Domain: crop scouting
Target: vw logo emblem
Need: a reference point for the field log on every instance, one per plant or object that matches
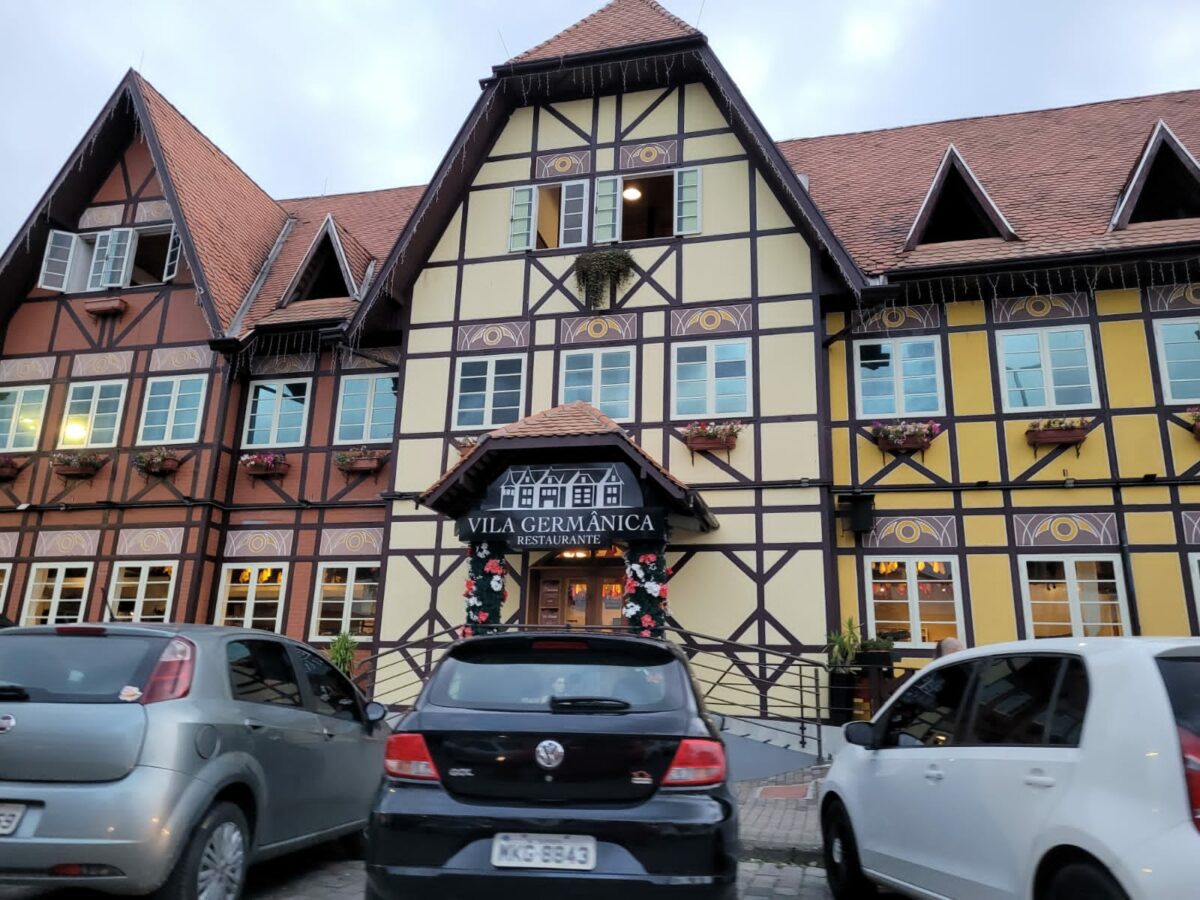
(7, 723)
(549, 754)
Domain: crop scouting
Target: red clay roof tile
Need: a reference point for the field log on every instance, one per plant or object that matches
(621, 23)
(1055, 174)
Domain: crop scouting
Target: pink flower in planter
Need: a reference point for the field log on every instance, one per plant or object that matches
(469, 586)
(483, 617)
(935, 427)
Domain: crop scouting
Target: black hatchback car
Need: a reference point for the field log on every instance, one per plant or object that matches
(555, 765)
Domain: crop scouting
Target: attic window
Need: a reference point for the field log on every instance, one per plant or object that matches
(322, 278)
(562, 215)
(102, 260)
(956, 208)
(1171, 190)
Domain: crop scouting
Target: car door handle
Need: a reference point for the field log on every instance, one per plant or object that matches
(254, 725)
(329, 735)
(1038, 778)
(933, 773)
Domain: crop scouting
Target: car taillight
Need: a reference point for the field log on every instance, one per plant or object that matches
(1190, 745)
(697, 763)
(407, 756)
(172, 675)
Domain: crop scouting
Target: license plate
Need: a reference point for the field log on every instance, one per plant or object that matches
(544, 851)
(10, 817)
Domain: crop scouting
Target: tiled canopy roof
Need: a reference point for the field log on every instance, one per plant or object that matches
(622, 23)
(1055, 174)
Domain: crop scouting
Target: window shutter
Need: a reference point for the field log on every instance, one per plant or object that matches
(171, 269)
(573, 232)
(687, 201)
(99, 262)
(56, 264)
(606, 224)
(120, 257)
(520, 225)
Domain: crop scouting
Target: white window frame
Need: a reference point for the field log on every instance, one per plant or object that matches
(176, 379)
(62, 566)
(898, 376)
(487, 423)
(110, 607)
(585, 228)
(174, 251)
(319, 583)
(1069, 561)
(71, 253)
(661, 173)
(699, 200)
(275, 423)
(531, 243)
(595, 352)
(373, 377)
(1164, 377)
(616, 238)
(709, 410)
(914, 599)
(19, 390)
(5, 581)
(1048, 385)
(223, 595)
(91, 444)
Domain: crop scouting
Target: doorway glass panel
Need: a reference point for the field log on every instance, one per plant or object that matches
(577, 602)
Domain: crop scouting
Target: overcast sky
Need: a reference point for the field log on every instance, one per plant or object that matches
(313, 96)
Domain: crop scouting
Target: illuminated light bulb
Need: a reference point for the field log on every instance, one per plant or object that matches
(75, 433)
(631, 193)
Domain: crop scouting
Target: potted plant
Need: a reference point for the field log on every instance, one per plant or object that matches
(598, 271)
(712, 435)
(156, 461)
(360, 459)
(104, 307)
(1051, 432)
(9, 467)
(904, 435)
(76, 463)
(1192, 413)
(876, 651)
(341, 653)
(843, 650)
(266, 464)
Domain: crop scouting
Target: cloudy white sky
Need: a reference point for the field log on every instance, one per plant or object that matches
(342, 95)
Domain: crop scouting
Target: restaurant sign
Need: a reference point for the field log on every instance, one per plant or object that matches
(587, 505)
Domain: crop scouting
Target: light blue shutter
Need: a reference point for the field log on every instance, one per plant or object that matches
(171, 269)
(96, 280)
(606, 224)
(573, 228)
(120, 257)
(56, 264)
(687, 201)
(520, 223)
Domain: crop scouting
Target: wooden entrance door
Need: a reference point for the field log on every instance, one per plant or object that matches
(576, 597)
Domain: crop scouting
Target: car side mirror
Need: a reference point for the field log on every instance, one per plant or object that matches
(861, 734)
(376, 712)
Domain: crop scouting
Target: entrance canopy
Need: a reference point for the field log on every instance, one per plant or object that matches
(567, 476)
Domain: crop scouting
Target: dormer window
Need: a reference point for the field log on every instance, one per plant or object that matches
(956, 208)
(1164, 185)
(102, 260)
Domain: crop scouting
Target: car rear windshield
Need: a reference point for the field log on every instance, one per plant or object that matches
(53, 668)
(1181, 674)
(524, 681)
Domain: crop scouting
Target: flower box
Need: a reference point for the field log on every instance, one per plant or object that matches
(104, 306)
(265, 470)
(701, 442)
(76, 471)
(1047, 437)
(904, 444)
(167, 466)
(363, 464)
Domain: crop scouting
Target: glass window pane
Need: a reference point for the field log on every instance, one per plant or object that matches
(1012, 700)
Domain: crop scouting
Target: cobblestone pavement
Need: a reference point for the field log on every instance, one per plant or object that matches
(779, 817)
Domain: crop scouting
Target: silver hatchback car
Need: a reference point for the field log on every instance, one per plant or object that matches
(136, 759)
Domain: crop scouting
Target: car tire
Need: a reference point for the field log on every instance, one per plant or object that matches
(1083, 881)
(218, 848)
(842, 868)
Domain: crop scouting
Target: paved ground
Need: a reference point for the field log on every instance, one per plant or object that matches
(780, 818)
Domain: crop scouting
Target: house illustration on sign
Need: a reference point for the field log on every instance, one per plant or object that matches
(553, 487)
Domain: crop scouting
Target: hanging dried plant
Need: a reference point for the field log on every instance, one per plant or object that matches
(599, 271)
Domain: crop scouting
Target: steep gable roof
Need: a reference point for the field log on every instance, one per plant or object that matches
(232, 223)
(1165, 183)
(621, 23)
(957, 207)
(1056, 173)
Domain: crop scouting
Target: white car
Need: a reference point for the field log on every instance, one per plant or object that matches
(1061, 769)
